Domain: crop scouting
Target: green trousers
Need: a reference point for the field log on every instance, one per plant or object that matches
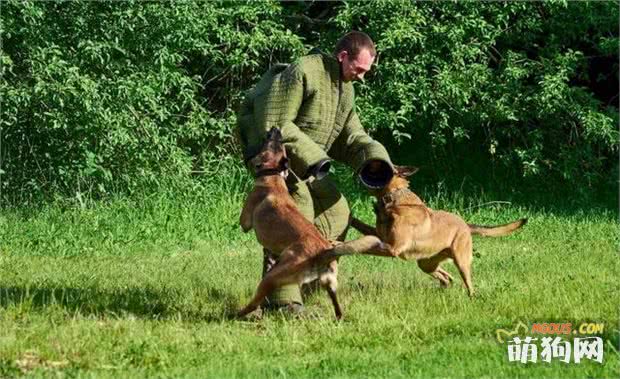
(322, 203)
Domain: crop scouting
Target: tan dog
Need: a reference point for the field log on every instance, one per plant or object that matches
(304, 254)
(414, 231)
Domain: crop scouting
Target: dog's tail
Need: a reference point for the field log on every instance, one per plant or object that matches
(362, 227)
(359, 246)
(496, 231)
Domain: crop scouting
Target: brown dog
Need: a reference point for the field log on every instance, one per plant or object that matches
(414, 231)
(304, 253)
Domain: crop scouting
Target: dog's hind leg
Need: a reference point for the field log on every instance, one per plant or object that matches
(332, 296)
(329, 281)
(462, 256)
(264, 288)
(282, 273)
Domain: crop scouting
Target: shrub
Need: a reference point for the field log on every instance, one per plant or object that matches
(516, 80)
(104, 97)
(116, 97)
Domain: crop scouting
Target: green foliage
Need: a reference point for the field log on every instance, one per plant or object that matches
(521, 81)
(105, 97)
(115, 97)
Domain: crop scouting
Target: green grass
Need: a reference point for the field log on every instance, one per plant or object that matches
(130, 288)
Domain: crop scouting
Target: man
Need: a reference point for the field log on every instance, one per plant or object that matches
(312, 102)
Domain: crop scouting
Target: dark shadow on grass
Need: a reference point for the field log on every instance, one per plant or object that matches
(143, 303)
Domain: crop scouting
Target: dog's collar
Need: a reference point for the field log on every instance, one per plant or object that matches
(269, 172)
(394, 196)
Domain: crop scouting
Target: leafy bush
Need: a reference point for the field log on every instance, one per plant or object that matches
(115, 97)
(104, 97)
(515, 79)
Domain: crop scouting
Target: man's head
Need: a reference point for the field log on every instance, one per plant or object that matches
(356, 54)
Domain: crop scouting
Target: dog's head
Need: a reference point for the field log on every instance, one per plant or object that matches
(399, 179)
(272, 156)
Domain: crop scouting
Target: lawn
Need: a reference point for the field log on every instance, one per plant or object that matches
(144, 288)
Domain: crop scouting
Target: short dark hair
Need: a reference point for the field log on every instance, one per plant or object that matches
(354, 42)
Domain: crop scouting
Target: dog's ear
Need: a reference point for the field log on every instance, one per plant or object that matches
(405, 171)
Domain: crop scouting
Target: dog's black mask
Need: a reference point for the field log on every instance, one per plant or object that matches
(273, 141)
(273, 144)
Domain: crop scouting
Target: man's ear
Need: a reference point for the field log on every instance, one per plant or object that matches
(341, 55)
(405, 171)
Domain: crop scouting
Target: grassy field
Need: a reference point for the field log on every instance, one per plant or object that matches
(131, 288)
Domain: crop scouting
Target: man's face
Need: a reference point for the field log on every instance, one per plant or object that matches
(354, 69)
